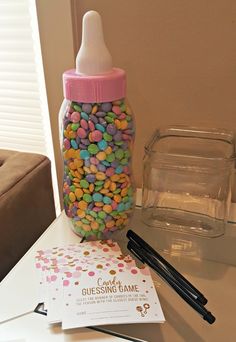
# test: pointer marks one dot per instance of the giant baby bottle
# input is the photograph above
(97, 134)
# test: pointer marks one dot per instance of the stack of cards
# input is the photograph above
(92, 283)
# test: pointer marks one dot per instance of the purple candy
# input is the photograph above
(77, 140)
(66, 123)
(115, 163)
(87, 108)
(106, 106)
(101, 167)
(82, 146)
(102, 121)
(117, 136)
(87, 162)
(130, 125)
(91, 178)
(111, 129)
(100, 114)
(93, 118)
(85, 141)
(90, 206)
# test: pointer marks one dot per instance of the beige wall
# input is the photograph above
(55, 28)
(180, 58)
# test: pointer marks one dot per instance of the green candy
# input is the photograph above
(111, 115)
(124, 161)
(119, 143)
(119, 153)
(128, 118)
(117, 191)
(125, 199)
(93, 214)
(99, 182)
(84, 184)
(107, 136)
(84, 220)
(77, 107)
(101, 215)
(87, 198)
(93, 149)
(127, 154)
(72, 188)
(98, 188)
(114, 213)
(74, 126)
(109, 119)
(110, 157)
(101, 227)
(123, 107)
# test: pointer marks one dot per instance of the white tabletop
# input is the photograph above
(18, 295)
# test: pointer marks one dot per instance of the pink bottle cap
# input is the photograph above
(94, 89)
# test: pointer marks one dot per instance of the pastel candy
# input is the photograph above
(97, 187)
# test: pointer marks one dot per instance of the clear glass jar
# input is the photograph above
(96, 141)
(187, 180)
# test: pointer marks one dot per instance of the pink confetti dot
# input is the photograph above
(133, 271)
(38, 265)
(105, 249)
(66, 282)
(53, 277)
(78, 268)
(68, 274)
(91, 273)
(120, 265)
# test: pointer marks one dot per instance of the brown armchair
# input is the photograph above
(26, 204)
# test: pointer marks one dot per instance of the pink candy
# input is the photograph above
(116, 110)
(91, 125)
(75, 117)
(67, 144)
(81, 133)
(84, 124)
(96, 136)
(110, 171)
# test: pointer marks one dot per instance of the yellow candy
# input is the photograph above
(78, 223)
(86, 169)
(100, 175)
(72, 166)
(94, 110)
(72, 135)
(101, 155)
(90, 218)
(76, 180)
(124, 192)
(73, 173)
(81, 213)
(123, 124)
(98, 204)
(78, 162)
(86, 227)
(77, 174)
(94, 225)
(119, 222)
(93, 169)
(108, 150)
(117, 123)
(117, 198)
(115, 178)
(107, 184)
(104, 191)
(72, 197)
(78, 193)
(82, 205)
(109, 194)
(110, 224)
(86, 191)
(71, 153)
(77, 155)
(107, 208)
(80, 170)
(91, 187)
(113, 186)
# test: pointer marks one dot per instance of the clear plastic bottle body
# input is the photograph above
(98, 190)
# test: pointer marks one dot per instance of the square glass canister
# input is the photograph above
(187, 180)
